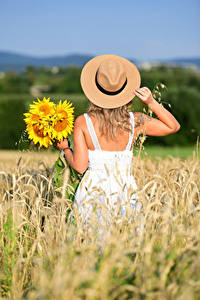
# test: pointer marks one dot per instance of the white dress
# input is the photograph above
(108, 181)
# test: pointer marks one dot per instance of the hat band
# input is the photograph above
(107, 92)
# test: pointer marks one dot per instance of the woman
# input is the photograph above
(104, 137)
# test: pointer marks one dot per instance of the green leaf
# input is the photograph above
(59, 165)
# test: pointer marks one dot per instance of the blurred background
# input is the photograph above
(44, 45)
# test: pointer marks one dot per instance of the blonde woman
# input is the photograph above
(104, 137)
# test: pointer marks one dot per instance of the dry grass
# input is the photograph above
(44, 256)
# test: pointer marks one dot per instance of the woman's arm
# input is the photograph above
(78, 160)
(165, 124)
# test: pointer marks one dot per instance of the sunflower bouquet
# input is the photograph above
(47, 122)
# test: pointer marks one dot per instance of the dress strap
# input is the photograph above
(92, 132)
(131, 134)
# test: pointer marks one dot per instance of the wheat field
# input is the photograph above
(46, 256)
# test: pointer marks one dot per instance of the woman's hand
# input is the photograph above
(61, 145)
(145, 95)
(165, 124)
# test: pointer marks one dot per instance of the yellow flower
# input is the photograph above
(36, 133)
(32, 118)
(62, 121)
(43, 107)
(36, 125)
(47, 121)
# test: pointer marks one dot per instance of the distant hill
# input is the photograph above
(18, 62)
(184, 61)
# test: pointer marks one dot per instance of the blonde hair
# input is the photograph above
(110, 119)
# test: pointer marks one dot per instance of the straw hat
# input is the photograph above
(109, 81)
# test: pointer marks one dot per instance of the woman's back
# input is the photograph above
(108, 181)
(109, 171)
(119, 143)
(115, 155)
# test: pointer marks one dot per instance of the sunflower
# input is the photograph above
(43, 107)
(36, 133)
(36, 129)
(62, 121)
(47, 121)
(32, 118)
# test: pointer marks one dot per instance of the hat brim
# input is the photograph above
(96, 96)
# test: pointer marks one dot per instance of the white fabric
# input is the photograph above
(92, 132)
(108, 180)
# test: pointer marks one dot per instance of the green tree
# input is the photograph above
(14, 83)
(11, 122)
(71, 81)
(184, 104)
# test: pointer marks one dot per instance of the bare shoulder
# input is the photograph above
(79, 124)
(80, 121)
(141, 119)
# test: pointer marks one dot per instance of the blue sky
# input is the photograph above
(141, 30)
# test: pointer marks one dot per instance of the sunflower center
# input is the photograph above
(63, 122)
(35, 117)
(37, 131)
(45, 109)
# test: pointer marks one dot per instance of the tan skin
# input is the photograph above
(165, 124)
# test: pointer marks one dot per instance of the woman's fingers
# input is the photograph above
(146, 89)
(144, 94)
(140, 92)
(143, 90)
(61, 144)
(140, 95)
